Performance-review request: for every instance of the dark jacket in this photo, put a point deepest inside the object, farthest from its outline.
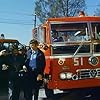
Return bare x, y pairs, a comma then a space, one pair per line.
40, 61
15, 64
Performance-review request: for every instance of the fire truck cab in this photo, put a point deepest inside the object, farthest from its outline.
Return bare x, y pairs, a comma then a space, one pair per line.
72, 50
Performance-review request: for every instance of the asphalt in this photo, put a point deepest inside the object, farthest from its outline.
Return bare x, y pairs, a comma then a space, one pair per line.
59, 95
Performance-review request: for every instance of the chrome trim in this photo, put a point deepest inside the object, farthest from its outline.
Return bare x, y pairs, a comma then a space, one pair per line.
70, 56
93, 60
88, 73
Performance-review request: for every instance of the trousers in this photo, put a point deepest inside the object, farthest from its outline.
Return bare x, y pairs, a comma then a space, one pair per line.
19, 83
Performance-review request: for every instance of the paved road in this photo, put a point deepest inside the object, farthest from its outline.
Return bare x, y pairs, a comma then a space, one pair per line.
77, 95
3, 95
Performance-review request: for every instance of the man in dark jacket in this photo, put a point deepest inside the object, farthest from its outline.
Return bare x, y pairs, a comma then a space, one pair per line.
13, 62
34, 66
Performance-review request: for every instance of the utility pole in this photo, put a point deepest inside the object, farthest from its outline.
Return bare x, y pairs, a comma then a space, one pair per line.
35, 21
67, 8
34, 29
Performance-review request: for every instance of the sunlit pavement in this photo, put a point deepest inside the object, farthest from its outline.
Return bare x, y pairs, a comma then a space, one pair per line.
76, 95
3, 95
58, 96
42, 96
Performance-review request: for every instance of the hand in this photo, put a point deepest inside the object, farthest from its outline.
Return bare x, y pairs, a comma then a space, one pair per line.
4, 67
39, 77
2, 52
24, 68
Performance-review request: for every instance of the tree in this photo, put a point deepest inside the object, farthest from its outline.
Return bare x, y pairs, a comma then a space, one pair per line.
97, 12
57, 8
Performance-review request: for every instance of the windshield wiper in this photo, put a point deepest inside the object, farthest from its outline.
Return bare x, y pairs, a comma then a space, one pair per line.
78, 48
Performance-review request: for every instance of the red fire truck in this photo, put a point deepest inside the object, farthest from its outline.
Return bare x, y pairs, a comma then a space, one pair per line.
72, 49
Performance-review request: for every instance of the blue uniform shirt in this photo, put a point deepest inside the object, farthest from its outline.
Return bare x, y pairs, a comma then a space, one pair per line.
32, 62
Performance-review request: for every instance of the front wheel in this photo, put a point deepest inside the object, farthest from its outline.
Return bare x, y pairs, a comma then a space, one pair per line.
49, 92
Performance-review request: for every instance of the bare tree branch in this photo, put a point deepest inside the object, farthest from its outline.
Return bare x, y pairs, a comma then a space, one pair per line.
58, 8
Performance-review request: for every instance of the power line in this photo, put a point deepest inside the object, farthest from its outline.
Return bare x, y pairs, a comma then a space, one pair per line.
9, 19
16, 23
16, 13
18, 20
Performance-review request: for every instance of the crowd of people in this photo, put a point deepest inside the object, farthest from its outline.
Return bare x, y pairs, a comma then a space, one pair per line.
24, 72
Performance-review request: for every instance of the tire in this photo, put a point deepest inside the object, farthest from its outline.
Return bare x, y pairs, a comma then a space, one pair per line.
49, 92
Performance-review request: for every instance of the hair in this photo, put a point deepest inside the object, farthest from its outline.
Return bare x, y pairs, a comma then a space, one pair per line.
34, 41
82, 13
2, 35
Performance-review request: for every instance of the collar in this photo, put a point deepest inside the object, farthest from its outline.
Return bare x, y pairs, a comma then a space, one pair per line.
34, 51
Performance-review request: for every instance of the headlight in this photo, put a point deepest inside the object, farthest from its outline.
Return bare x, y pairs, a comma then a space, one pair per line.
93, 60
69, 75
66, 75
62, 76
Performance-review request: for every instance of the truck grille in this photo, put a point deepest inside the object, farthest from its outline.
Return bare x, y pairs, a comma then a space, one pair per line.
88, 73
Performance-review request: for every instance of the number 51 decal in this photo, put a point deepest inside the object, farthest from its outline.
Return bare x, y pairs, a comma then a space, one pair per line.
78, 61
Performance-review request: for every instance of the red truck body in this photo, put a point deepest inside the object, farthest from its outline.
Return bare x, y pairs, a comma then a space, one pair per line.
74, 61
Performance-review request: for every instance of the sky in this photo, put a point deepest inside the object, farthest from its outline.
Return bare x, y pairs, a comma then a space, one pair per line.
92, 5
17, 18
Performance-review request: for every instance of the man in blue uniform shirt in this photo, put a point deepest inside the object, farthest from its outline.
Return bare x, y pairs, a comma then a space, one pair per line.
34, 66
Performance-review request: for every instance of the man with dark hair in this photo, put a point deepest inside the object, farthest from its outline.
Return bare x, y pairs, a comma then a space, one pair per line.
13, 62
56, 37
2, 36
34, 66
16, 62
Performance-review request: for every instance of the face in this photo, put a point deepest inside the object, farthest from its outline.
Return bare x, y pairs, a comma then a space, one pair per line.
33, 46
15, 52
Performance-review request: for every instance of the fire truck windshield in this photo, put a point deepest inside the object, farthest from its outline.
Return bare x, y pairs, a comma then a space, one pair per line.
71, 38
69, 32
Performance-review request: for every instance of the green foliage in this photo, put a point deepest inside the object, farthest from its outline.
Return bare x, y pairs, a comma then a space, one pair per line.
57, 8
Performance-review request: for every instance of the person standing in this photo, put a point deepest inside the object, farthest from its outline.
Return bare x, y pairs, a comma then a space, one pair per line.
34, 66
13, 62
3, 73
16, 73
